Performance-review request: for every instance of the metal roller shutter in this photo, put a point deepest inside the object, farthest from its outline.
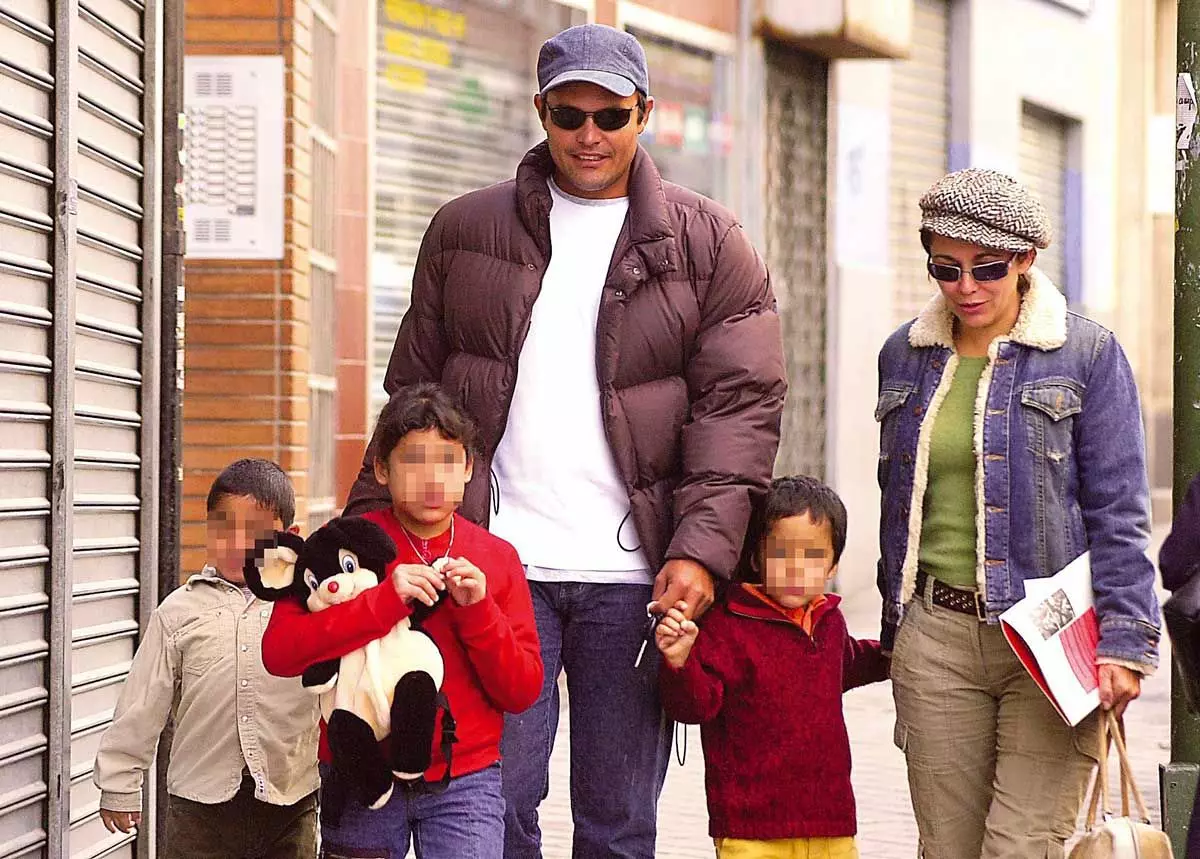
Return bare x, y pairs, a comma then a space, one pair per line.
78, 400
920, 142
796, 178
1044, 171
453, 113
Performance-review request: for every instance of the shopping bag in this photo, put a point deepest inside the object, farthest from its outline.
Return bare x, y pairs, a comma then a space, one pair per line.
1122, 837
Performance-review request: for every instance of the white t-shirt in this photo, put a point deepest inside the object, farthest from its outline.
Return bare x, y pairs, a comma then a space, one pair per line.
560, 501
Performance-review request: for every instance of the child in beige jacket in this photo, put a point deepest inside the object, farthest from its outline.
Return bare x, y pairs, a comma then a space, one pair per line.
242, 777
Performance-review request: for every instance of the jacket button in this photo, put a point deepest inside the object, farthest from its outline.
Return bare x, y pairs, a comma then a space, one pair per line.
620, 293
637, 270
918, 411
531, 267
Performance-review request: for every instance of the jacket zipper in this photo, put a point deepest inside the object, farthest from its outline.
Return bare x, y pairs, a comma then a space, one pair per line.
603, 321
782, 620
526, 322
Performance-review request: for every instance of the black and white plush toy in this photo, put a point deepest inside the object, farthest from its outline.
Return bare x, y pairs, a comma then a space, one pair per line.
389, 687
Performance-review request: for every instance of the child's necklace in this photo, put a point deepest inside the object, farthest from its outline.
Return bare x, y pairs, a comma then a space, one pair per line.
436, 563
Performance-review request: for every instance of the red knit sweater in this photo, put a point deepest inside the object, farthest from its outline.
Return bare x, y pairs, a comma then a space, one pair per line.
768, 699
493, 662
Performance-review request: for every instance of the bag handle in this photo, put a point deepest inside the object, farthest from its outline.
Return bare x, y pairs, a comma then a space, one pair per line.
1117, 730
1100, 782
1112, 730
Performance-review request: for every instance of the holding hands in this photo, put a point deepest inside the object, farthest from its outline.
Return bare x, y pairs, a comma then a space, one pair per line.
675, 635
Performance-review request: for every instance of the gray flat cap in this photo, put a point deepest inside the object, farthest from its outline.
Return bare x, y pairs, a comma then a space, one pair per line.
986, 208
595, 54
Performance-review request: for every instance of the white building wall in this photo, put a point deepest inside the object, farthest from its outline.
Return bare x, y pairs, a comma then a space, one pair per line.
1003, 53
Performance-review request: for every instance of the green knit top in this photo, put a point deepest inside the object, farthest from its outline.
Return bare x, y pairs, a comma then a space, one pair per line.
948, 528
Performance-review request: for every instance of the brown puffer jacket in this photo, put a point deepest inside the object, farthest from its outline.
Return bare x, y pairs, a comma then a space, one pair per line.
688, 351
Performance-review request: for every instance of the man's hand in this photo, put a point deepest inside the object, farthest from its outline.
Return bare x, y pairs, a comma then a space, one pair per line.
1118, 686
683, 580
417, 582
122, 821
675, 635
465, 582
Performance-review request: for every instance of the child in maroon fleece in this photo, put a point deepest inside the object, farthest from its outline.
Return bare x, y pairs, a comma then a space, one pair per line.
764, 680
484, 628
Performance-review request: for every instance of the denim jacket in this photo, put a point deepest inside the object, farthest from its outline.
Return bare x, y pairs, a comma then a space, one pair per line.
1060, 465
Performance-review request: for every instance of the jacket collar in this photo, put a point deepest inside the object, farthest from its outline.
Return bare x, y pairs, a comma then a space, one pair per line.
744, 604
648, 227
209, 576
1042, 323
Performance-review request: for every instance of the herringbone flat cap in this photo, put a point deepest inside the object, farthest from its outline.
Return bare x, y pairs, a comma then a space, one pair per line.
986, 208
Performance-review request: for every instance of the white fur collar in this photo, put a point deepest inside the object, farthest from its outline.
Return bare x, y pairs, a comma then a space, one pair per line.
1042, 323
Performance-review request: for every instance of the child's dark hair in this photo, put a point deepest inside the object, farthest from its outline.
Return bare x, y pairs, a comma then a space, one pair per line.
797, 495
423, 407
260, 479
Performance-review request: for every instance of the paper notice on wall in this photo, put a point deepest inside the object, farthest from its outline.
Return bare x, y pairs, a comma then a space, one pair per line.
861, 201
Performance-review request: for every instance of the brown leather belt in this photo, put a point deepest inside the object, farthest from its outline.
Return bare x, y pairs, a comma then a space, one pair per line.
955, 599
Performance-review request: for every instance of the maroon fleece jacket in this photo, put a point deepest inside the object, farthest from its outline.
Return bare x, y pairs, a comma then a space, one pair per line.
768, 699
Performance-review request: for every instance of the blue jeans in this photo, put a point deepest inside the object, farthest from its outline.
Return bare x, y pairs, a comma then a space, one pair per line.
464, 822
620, 738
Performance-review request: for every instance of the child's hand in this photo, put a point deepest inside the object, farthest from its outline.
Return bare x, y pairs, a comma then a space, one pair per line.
675, 636
122, 821
465, 582
417, 582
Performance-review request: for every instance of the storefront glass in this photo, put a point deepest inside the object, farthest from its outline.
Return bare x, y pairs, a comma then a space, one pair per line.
454, 112
690, 133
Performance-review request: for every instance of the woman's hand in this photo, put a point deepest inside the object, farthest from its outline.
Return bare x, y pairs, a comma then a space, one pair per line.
1118, 686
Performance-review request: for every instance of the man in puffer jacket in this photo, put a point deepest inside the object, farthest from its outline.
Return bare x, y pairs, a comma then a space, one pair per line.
615, 338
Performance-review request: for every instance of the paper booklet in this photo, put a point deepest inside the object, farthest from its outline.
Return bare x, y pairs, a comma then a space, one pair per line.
1054, 633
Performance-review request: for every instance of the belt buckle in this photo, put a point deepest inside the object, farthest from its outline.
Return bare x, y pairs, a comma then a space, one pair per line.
980, 607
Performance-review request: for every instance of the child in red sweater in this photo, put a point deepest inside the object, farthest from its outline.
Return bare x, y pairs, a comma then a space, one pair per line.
764, 679
483, 626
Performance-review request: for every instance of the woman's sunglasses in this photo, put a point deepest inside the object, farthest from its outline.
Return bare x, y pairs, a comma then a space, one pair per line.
989, 272
608, 119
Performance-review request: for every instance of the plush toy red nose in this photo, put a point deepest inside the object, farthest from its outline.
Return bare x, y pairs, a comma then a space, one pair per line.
332, 587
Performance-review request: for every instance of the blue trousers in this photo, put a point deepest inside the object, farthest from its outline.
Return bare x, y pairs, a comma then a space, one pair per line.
620, 738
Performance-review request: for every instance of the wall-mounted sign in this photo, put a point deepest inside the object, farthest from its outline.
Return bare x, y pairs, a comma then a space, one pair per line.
234, 157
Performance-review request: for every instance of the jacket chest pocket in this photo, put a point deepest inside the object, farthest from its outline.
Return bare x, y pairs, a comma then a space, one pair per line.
1050, 408
887, 415
206, 640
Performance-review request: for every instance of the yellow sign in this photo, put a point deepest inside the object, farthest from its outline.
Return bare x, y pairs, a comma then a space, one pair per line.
406, 77
420, 48
430, 19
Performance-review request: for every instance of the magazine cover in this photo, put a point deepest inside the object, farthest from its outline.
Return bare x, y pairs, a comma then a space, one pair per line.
1054, 633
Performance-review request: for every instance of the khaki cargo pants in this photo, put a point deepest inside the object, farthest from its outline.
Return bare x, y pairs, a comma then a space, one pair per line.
994, 771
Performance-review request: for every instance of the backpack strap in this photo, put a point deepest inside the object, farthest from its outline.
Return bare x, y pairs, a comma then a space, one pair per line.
449, 738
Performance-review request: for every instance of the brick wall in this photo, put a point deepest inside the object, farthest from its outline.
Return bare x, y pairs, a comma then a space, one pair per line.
246, 360
354, 237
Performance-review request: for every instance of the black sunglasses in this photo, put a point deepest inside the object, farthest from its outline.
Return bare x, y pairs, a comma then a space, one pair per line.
989, 272
608, 119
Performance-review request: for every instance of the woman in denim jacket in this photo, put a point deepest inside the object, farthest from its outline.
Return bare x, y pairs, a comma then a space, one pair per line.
1011, 443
